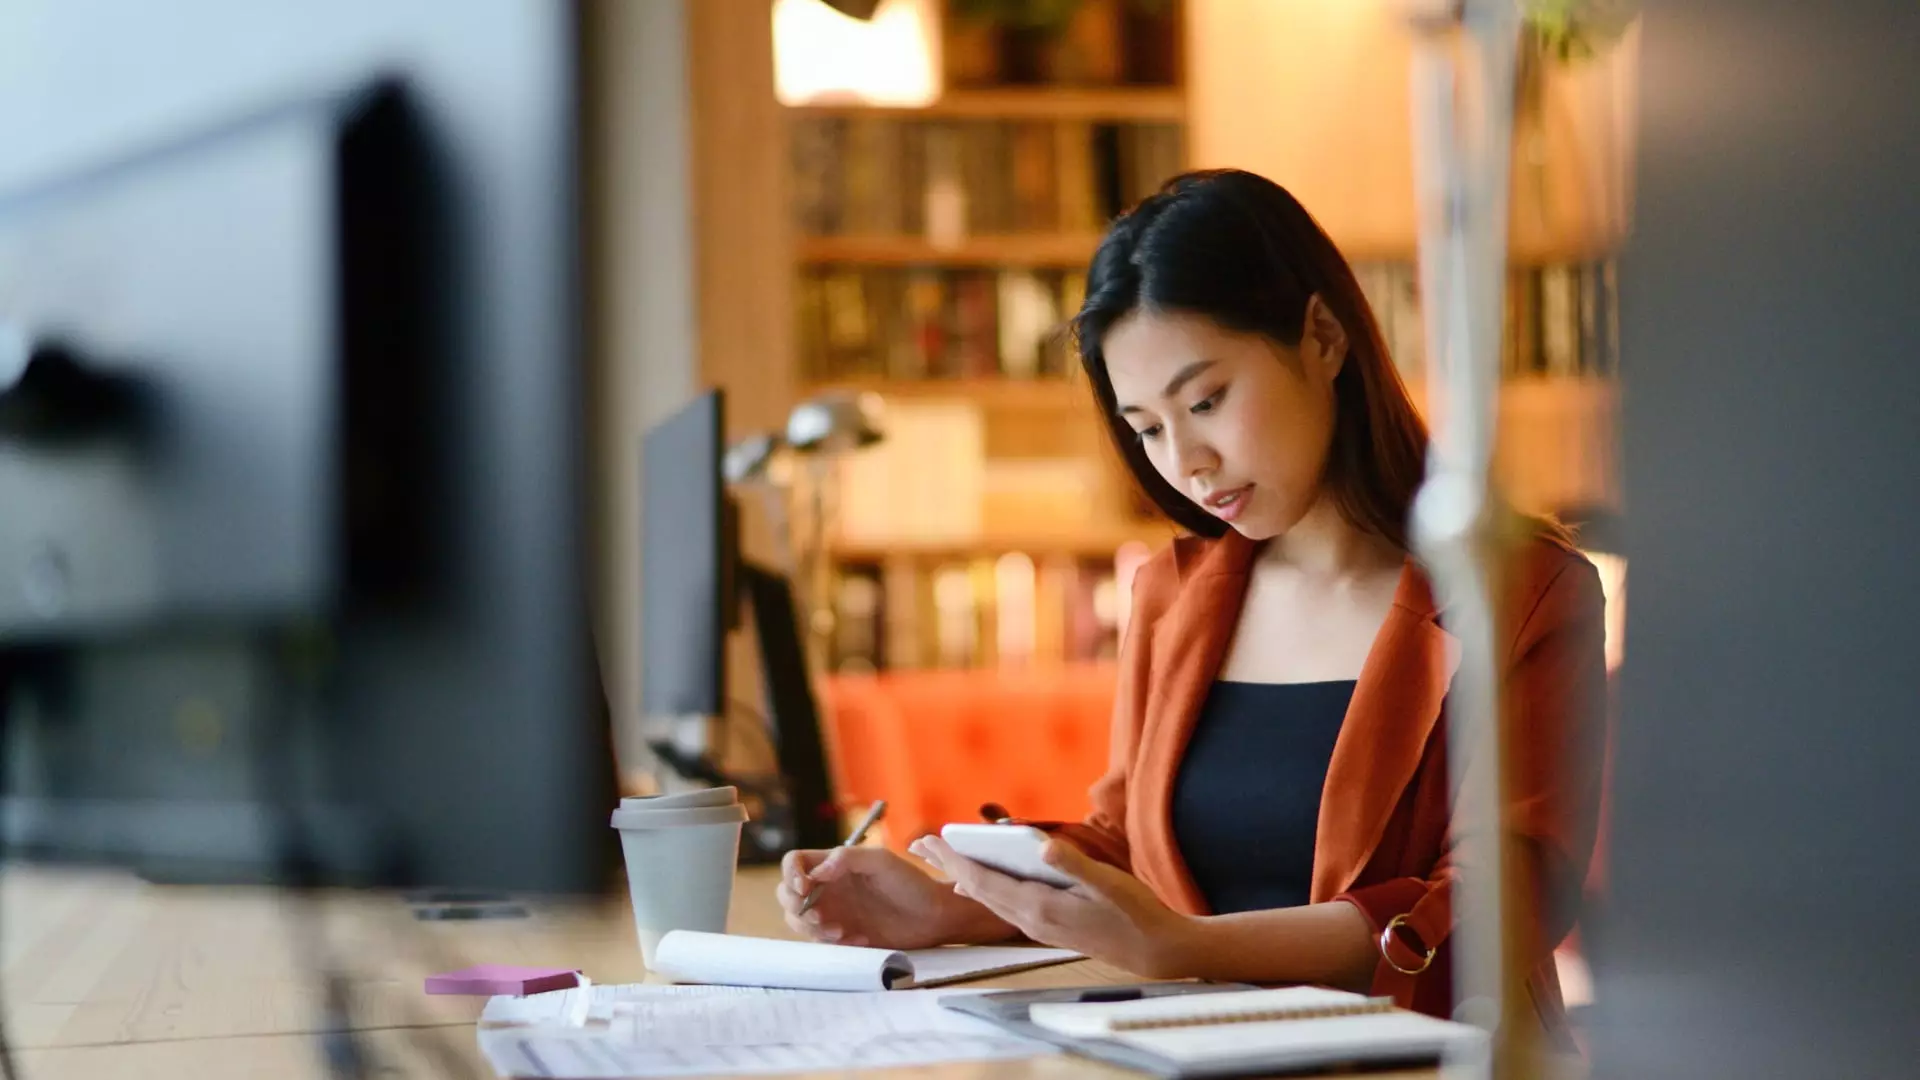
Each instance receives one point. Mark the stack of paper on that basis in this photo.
(646, 1031)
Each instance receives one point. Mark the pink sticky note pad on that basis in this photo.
(490, 979)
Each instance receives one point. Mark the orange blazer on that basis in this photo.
(1383, 839)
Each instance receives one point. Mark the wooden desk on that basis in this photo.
(108, 978)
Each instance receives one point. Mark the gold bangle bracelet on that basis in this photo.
(1386, 951)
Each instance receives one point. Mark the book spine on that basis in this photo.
(1559, 321)
(1109, 183)
(815, 157)
(1015, 595)
(926, 302)
(849, 329)
(912, 193)
(810, 326)
(958, 631)
(1075, 183)
(856, 640)
(947, 212)
(906, 612)
(863, 192)
(975, 322)
(887, 290)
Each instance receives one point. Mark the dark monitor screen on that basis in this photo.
(686, 564)
(695, 584)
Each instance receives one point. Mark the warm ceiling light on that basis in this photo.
(822, 56)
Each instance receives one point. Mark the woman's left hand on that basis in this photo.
(1110, 915)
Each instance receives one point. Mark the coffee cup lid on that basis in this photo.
(714, 796)
(676, 817)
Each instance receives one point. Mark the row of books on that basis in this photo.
(1560, 319)
(1393, 292)
(946, 180)
(929, 324)
(1103, 43)
(923, 323)
(1008, 611)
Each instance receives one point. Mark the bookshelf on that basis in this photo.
(939, 250)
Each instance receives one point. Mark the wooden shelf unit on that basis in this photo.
(1094, 541)
(1057, 251)
(1136, 105)
(1032, 428)
(1055, 395)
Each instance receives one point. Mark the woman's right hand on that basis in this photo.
(872, 896)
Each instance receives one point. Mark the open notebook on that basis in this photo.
(690, 956)
(1261, 1031)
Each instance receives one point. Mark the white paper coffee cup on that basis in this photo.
(680, 865)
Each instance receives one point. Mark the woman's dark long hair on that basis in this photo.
(1236, 248)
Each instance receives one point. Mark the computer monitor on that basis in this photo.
(693, 583)
(687, 564)
(291, 555)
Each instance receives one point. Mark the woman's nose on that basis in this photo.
(1193, 458)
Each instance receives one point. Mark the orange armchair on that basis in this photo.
(938, 744)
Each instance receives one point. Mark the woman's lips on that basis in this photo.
(1228, 505)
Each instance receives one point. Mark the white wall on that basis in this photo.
(644, 338)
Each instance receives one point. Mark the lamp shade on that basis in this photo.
(872, 52)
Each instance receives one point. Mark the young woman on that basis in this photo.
(1277, 807)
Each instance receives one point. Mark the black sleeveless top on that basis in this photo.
(1246, 799)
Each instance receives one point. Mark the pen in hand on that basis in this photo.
(853, 840)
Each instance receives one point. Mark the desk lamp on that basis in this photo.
(819, 431)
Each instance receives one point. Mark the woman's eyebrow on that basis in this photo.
(1180, 378)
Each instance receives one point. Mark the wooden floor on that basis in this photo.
(108, 978)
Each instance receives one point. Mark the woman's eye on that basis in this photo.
(1207, 404)
(1147, 433)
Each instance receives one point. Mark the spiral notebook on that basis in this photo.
(1261, 1031)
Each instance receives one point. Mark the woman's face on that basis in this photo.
(1235, 422)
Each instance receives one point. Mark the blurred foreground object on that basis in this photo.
(1765, 815)
(1462, 83)
(289, 555)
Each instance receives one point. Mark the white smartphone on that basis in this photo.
(1010, 849)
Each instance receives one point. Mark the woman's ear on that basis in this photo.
(1323, 341)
